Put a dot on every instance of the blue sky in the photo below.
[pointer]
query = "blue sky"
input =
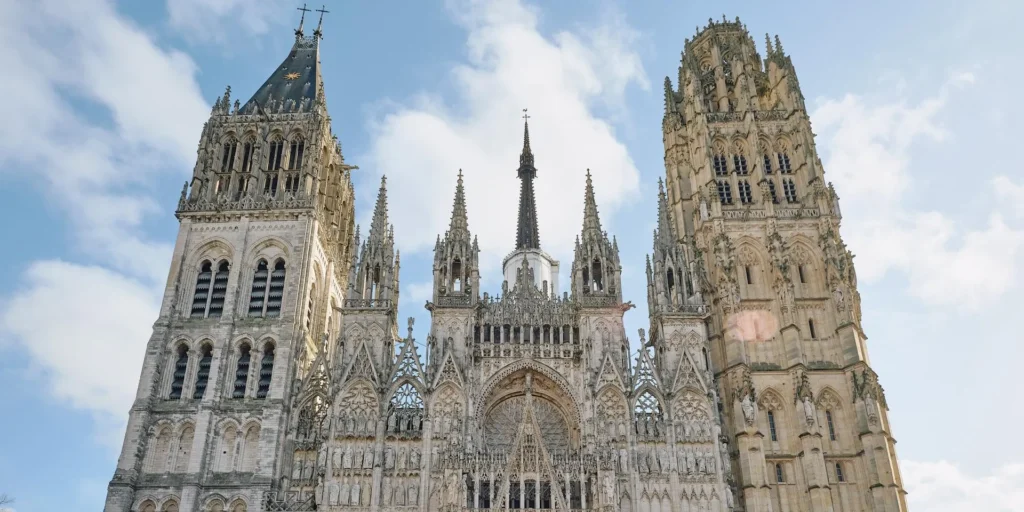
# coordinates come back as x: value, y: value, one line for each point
x: 914, y: 104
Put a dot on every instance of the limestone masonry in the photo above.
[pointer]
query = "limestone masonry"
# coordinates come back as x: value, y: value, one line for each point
x: 277, y: 377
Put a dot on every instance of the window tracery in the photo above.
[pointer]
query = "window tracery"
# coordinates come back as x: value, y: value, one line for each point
x: 406, y: 414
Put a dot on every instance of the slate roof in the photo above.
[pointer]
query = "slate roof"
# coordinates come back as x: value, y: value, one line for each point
x: 297, y: 78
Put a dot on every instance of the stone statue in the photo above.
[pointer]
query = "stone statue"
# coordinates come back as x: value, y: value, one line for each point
x: 748, y: 409
x: 809, y: 414
x: 336, y: 461
x: 609, y: 490
x: 332, y: 493
x: 319, y: 490
x: 321, y: 459
x: 346, y: 459
x: 389, y: 458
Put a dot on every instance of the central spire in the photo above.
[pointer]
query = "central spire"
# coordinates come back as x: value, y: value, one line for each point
x: 527, y: 235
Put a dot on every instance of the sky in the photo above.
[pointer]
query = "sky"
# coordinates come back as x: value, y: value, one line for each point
x: 914, y: 106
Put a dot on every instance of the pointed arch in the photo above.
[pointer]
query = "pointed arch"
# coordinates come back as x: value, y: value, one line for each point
x: 358, y: 407
x: 186, y: 438
x: 227, y: 440
x: 250, y: 455
x: 406, y: 408
x: 159, y: 448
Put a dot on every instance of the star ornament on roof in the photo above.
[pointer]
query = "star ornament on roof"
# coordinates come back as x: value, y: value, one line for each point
x: 291, y: 76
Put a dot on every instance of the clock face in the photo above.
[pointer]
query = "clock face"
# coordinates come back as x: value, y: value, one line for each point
x: 291, y: 76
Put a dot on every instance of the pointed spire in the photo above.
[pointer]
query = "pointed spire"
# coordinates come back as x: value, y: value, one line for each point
x: 591, y: 222
x: 459, y: 226
x: 767, y: 44
x: 527, y: 235
x: 665, y: 231
x: 778, y: 44
x: 379, y: 228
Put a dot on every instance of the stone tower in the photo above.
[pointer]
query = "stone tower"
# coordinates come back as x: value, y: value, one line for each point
x: 802, y: 408
x: 259, y: 270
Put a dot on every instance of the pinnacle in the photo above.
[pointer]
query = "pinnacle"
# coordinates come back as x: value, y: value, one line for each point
x: 665, y: 228
x: 379, y: 226
x: 459, y: 226
x: 526, y: 156
x: 591, y: 221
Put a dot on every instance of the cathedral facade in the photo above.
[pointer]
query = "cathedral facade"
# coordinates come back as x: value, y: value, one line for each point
x: 278, y: 378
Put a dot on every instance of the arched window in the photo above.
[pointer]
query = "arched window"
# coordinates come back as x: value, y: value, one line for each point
x: 267, y: 289
x: 181, y: 458
x: 780, y: 476
x: 800, y: 271
x: 170, y: 506
x: 147, y: 506
x: 180, y: 369
x: 203, y: 374
x: 226, y: 450
x: 295, y: 154
x: 724, y: 191
x: 810, y: 329
x: 238, y: 506
x: 456, y: 275
x: 746, y: 197
x: 215, y: 506
x: 228, y: 157
x: 707, y: 360
x: 242, y: 371
x: 266, y: 371
x: 719, y: 162
x: 586, y: 279
x: 276, y: 153
x: 767, y: 164
x: 647, y: 415
x: 784, y: 166
x: 740, y: 164
x: 270, y: 185
x: 211, y: 287
x: 598, y: 277
x: 789, y: 189
x: 201, y: 296
x: 247, y: 149
x: 771, y: 426
x: 747, y: 274
x: 840, y: 477
x: 406, y: 410
x: 375, y: 284
x: 831, y: 425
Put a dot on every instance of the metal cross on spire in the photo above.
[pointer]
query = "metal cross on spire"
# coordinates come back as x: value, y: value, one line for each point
x: 526, y: 116
x: 302, y: 20
x: 319, y: 26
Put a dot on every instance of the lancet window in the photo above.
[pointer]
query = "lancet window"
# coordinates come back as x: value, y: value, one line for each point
x: 211, y: 288
x: 180, y: 369
x: 203, y: 374
x: 720, y: 165
x: 228, y: 156
x: 745, y: 196
x: 724, y: 191
x: 295, y: 154
x: 267, y: 290
x: 242, y: 371
x: 276, y: 152
x: 266, y: 371
x: 789, y: 189
x: 647, y: 415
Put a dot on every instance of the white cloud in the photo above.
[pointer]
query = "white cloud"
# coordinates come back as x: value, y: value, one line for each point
x: 78, y: 324
x: 868, y: 150
x: 943, y: 487
x: 510, y: 66
x: 209, y: 20
x: 418, y: 293
x: 1010, y: 193
x: 103, y: 113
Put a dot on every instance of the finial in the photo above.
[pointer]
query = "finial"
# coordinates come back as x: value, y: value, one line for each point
x: 723, y: 18
x: 767, y: 44
x: 778, y: 44
x: 302, y: 20
x: 319, y: 26
x: 411, y: 321
x: 643, y: 337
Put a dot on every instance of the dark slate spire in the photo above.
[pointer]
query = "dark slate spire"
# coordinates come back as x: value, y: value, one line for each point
x: 459, y: 227
x: 527, y: 235
x: 379, y: 228
x: 296, y: 85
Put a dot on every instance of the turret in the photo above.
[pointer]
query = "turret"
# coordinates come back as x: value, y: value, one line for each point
x: 456, y: 258
x: 596, y: 271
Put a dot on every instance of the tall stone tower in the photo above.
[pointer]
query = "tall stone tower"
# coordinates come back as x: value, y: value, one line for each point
x: 259, y: 268
x: 802, y: 409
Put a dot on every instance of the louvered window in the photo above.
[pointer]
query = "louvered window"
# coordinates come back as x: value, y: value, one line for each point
x: 740, y: 163
x: 789, y: 188
x: 275, y: 292
x: 724, y: 192
x: 203, y: 374
x: 202, y: 294
x: 266, y: 372
x: 721, y: 169
x: 745, y: 196
x: 241, y: 372
x: 276, y: 153
x: 180, y: 369
x: 295, y: 155
x: 258, y: 295
x: 219, y: 290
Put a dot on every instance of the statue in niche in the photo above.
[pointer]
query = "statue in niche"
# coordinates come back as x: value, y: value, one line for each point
x: 747, y: 405
x: 309, y: 470
x: 346, y: 459
x: 321, y: 459
x: 297, y: 467
x: 336, y: 460
x: 389, y: 458
x: 414, y: 494
x: 354, y: 494
x: 368, y: 459
x: 401, y: 458
x: 623, y: 461
x: 609, y: 489
x: 690, y: 463
x: 332, y: 493
x: 343, y: 494
x: 386, y: 491
x: 319, y: 489
x: 415, y: 459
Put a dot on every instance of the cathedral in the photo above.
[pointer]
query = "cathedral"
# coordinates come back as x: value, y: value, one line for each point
x: 279, y: 376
